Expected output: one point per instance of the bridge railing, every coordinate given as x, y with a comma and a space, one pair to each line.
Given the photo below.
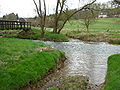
14, 25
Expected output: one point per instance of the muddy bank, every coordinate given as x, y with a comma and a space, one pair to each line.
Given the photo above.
97, 39
71, 83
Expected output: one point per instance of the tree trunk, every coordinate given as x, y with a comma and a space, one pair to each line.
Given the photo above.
87, 28
55, 29
42, 33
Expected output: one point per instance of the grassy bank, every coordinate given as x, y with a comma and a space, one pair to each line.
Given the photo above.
113, 73
23, 61
34, 34
103, 30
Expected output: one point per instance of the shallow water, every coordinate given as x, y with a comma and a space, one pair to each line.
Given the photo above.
87, 59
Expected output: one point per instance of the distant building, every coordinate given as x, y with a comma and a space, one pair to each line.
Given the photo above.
117, 16
103, 15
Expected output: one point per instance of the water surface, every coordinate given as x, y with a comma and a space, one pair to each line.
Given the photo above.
87, 59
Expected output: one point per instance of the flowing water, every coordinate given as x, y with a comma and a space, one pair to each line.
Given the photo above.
86, 59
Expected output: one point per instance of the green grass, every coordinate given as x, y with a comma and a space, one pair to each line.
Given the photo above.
21, 62
101, 23
104, 29
113, 73
49, 36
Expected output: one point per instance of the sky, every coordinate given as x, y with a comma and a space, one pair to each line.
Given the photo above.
26, 8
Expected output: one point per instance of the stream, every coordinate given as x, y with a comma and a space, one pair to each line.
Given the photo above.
86, 58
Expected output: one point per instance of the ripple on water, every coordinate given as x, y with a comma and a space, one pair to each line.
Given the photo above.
87, 59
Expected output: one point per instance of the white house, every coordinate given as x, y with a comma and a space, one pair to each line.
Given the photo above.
103, 15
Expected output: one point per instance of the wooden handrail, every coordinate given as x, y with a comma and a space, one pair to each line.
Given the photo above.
14, 25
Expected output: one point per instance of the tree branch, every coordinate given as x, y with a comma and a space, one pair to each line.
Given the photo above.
36, 8
84, 7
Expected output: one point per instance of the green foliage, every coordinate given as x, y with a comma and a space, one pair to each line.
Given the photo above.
21, 62
113, 73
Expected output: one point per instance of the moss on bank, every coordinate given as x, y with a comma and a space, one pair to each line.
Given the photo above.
113, 73
21, 62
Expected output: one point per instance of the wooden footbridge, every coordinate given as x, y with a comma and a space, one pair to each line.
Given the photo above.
14, 25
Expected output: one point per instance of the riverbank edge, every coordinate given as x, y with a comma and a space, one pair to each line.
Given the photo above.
112, 81
72, 37
46, 78
90, 40
34, 34
33, 39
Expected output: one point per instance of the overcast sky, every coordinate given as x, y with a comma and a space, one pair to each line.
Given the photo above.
25, 8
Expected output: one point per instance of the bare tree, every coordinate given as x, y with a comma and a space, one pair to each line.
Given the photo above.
89, 18
60, 10
42, 15
60, 4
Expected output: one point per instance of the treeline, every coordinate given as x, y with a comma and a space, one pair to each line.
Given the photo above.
111, 9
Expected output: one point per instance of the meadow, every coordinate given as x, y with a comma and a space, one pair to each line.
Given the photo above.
103, 30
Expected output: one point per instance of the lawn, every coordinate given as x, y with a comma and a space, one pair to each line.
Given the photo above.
113, 73
104, 29
22, 61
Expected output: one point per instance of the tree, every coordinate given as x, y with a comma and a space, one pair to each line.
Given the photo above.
10, 16
117, 1
88, 19
42, 15
60, 10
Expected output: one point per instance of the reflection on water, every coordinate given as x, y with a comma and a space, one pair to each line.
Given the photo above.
88, 59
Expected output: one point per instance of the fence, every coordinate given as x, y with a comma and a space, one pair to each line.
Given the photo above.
14, 25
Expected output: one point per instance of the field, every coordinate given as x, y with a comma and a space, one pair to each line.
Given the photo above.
113, 73
103, 29
24, 61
